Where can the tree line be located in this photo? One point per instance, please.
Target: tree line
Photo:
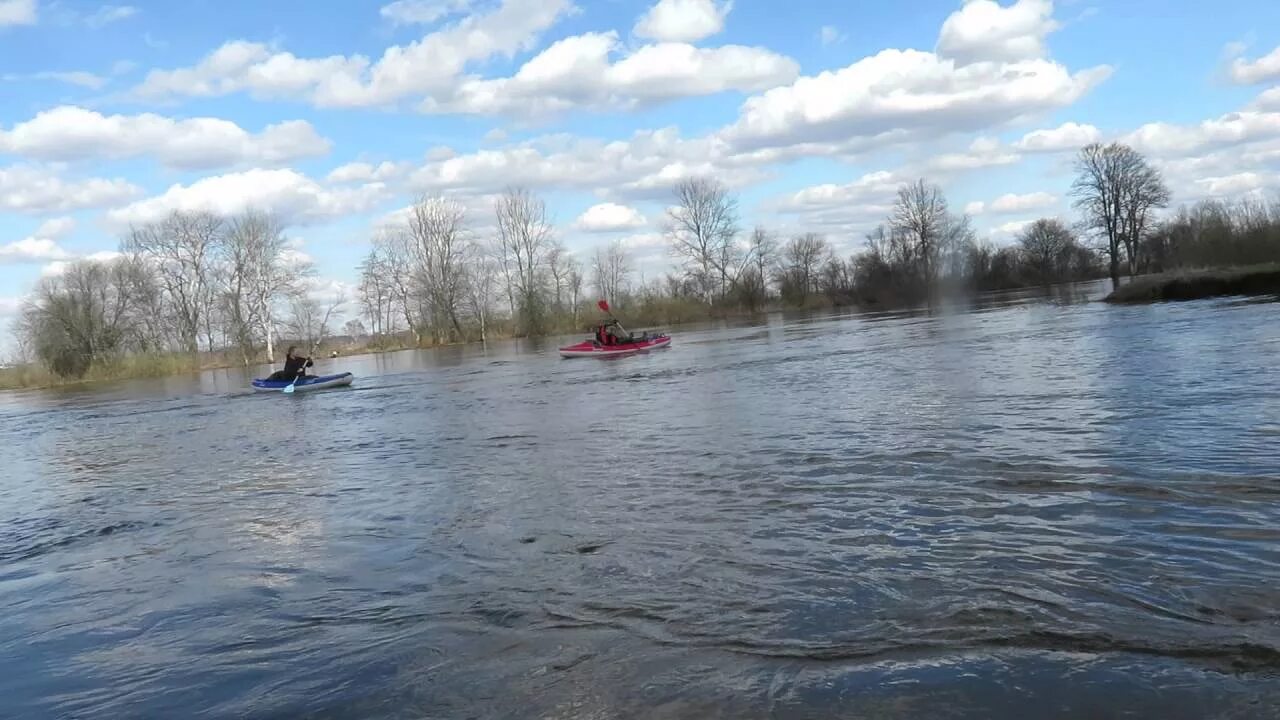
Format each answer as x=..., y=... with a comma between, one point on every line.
x=198, y=282
x=192, y=282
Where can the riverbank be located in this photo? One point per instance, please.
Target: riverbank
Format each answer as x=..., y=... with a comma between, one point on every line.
x=1197, y=285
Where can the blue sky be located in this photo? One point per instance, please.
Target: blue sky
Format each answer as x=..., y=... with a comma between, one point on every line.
x=337, y=115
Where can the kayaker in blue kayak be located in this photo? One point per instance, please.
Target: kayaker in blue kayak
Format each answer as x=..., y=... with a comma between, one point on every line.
x=295, y=366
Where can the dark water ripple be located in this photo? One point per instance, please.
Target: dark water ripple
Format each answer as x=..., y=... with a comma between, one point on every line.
x=1040, y=510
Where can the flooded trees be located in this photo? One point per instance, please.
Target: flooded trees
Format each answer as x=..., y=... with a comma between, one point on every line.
x=438, y=237
x=1117, y=191
x=252, y=276
x=86, y=315
x=803, y=258
x=524, y=241
x=610, y=268
x=183, y=247
x=702, y=228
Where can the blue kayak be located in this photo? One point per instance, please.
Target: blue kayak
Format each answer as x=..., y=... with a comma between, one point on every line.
x=318, y=382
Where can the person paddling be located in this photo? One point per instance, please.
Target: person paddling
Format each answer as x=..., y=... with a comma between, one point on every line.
x=295, y=366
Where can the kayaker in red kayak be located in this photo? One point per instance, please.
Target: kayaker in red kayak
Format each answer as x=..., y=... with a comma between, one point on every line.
x=612, y=333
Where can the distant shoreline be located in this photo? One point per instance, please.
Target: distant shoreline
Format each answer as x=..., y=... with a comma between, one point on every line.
x=1198, y=285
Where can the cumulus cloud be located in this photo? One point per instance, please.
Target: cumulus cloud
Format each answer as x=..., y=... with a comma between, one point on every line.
x=1267, y=101
x=594, y=70
x=682, y=20
x=906, y=90
x=40, y=246
x=422, y=12
x=1011, y=203
x=1067, y=137
x=285, y=192
x=833, y=206
x=39, y=190
x=984, y=30
x=74, y=133
x=1252, y=72
x=1237, y=128
x=366, y=172
x=17, y=12
x=609, y=217
x=428, y=66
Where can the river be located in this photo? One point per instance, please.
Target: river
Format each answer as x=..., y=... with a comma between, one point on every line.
x=1040, y=507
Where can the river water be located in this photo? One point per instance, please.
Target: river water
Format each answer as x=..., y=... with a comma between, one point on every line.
x=1043, y=507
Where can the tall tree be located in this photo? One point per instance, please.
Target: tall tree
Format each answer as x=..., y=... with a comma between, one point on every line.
x=1117, y=190
x=610, y=267
x=184, y=247
x=702, y=227
x=1047, y=245
x=525, y=239
x=437, y=236
x=803, y=256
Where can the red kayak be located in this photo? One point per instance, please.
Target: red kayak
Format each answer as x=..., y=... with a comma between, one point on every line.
x=594, y=348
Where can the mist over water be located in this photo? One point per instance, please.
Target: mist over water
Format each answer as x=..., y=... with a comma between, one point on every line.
x=1038, y=507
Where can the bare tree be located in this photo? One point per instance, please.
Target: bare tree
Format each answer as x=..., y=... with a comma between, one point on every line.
x=309, y=320
x=481, y=285
x=560, y=264
x=702, y=227
x=82, y=317
x=437, y=234
x=804, y=256
x=183, y=246
x=375, y=291
x=610, y=267
x=1117, y=190
x=573, y=282
x=920, y=215
x=525, y=239
x=254, y=278
x=1047, y=245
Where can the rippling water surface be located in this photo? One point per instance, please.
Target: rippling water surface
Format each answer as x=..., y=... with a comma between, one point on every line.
x=1041, y=509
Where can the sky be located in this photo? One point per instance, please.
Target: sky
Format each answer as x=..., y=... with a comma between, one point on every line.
x=337, y=115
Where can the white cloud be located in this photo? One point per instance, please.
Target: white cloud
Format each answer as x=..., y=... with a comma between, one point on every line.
x=1010, y=230
x=984, y=30
x=609, y=217
x=1067, y=137
x=36, y=190
x=1268, y=101
x=293, y=196
x=31, y=249
x=495, y=135
x=73, y=133
x=862, y=203
x=982, y=153
x=41, y=246
x=17, y=12
x=366, y=172
x=682, y=20
x=430, y=65
x=1169, y=140
x=1013, y=203
x=830, y=35
x=1251, y=72
x=908, y=92
x=1237, y=184
x=422, y=12
x=108, y=14
x=56, y=227
x=74, y=77
x=581, y=71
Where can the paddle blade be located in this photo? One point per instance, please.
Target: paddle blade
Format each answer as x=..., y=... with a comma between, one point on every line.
x=288, y=388
x=603, y=305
